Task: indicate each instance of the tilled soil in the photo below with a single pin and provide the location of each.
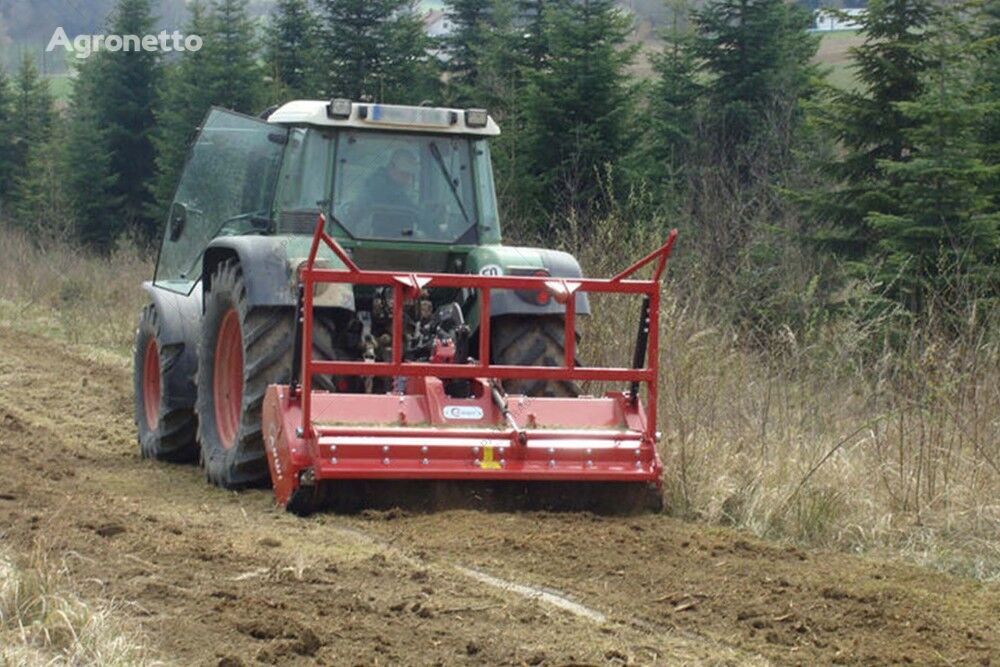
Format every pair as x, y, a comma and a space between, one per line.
218, 578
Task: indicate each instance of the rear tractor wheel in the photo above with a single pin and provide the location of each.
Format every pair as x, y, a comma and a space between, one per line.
242, 350
164, 418
519, 340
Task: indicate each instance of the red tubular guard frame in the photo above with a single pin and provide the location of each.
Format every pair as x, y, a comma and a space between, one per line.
610, 438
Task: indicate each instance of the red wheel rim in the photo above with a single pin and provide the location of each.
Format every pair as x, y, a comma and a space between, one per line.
151, 383
227, 378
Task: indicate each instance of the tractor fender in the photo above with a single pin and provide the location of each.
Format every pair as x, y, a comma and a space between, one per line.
507, 260
269, 264
179, 317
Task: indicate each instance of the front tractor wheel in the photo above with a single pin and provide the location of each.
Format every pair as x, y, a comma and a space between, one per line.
242, 350
164, 419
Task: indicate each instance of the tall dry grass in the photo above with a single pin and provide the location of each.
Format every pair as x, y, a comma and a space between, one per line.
44, 621
838, 436
63, 291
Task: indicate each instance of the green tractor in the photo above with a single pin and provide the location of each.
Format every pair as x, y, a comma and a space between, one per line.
403, 189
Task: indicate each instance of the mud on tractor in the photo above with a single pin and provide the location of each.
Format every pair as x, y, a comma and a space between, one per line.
333, 312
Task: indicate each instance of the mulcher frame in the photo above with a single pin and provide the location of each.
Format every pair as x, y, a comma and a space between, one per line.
495, 437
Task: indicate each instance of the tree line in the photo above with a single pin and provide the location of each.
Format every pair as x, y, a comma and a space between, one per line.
893, 184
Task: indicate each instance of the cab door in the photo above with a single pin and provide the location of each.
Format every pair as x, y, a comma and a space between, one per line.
226, 188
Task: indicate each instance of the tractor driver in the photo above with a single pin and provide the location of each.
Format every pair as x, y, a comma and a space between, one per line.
388, 195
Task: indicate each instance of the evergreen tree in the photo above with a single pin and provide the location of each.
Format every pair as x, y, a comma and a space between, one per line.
374, 49
32, 112
292, 43
533, 44
756, 56
673, 105
42, 203
580, 108
6, 141
224, 72
471, 22
124, 100
231, 57
31, 120
870, 126
90, 185
943, 236
188, 94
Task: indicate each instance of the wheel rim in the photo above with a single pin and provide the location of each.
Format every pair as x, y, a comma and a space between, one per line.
151, 383
227, 378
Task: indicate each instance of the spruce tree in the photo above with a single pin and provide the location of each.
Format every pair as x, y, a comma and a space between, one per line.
32, 112
942, 238
31, 120
533, 44
224, 72
231, 57
291, 49
579, 108
375, 50
756, 56
42, 205
673, 105
124, 103
90, 183
871, 127
471, 22
188, 93
6, 141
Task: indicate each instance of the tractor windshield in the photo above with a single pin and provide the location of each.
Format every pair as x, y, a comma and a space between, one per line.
392, 185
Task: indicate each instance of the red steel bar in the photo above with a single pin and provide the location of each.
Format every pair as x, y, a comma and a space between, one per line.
410, 285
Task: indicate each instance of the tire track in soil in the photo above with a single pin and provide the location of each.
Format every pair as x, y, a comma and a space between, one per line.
216, 576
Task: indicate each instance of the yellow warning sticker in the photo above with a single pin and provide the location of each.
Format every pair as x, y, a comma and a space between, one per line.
488, 462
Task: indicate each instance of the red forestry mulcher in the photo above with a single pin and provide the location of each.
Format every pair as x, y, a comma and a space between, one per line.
317, 439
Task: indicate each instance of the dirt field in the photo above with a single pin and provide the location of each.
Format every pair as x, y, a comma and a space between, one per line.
218, 578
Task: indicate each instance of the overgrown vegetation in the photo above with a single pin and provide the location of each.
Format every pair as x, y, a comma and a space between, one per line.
831, 325
44, 621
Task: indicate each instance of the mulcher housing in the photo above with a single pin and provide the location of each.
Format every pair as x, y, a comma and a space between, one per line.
422, 433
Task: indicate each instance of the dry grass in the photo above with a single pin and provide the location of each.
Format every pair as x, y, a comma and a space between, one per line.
816, 441
822, 441
43, 621
66, 293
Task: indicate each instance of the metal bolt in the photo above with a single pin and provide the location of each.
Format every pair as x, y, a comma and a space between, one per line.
298, 432
637, 453
501, 450
552, 463
424, 461
477, 462
333, 448
503, 463
552, 451
423, 450
385, 460
475, 450
589, 451
638, 465
385, 449
590, 464
334, 460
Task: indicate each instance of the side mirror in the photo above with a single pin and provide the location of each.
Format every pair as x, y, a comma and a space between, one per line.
178, 219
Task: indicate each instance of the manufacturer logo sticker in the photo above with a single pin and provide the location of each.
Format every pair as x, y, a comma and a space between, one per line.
463, 412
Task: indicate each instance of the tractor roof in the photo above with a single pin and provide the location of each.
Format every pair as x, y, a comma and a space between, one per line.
391, 117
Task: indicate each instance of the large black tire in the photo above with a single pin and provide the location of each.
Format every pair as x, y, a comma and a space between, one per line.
531, 340
165, 422
266, 339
